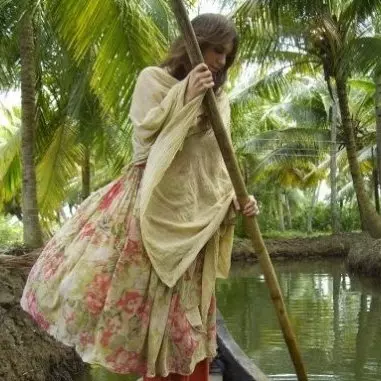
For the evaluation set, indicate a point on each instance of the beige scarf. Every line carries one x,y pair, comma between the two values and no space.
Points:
186,191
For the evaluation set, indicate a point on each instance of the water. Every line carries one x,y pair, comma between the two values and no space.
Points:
337,319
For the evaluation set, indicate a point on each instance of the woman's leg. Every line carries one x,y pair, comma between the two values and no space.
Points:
201,373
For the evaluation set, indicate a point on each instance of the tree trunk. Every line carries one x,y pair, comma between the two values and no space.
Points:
311,208
288,211
370,220
280,211
333,167
375,182
86,174
378,124
31,225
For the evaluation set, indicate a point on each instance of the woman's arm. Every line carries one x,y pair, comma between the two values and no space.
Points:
251,208
200,80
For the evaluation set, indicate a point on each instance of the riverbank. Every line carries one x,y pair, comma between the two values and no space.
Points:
326,246
365,258
26,352
362,253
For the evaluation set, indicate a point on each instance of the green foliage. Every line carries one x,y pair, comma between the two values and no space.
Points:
120,37
321,218
88,57
10,232
276,234
350,218
321,222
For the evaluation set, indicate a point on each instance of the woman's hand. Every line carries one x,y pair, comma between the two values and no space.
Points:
200,80
251,207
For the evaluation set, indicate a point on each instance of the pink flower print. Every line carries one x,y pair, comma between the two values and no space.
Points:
51,265
181,330
133,230
112,326
33,310
130,302
144,312
180,327
188,345
106,336
70,317
87,231
132,247
110,195
179,322
101,282
132,251
94,302
86,338
122,361
97,292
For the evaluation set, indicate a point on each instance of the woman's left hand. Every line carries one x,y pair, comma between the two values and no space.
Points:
251,208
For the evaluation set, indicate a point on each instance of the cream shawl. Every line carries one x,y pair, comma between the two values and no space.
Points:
186,191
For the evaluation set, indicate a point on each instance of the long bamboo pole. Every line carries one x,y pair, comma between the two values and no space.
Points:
241,192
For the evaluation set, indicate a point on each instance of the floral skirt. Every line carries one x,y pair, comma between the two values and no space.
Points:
201,373
93,287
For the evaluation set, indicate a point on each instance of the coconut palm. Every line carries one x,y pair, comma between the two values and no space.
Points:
281,135
67,135
336,36
32,230
121,37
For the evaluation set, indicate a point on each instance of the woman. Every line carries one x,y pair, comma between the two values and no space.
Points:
130,279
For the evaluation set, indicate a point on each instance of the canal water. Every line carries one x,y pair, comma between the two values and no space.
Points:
336,317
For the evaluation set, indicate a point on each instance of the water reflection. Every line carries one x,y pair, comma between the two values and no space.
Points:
337,319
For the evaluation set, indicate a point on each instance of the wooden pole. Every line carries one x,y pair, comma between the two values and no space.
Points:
241,192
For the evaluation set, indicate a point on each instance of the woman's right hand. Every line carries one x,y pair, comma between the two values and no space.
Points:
200,80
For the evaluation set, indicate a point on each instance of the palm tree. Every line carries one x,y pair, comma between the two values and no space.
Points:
333,169
81,107
121,37
281,135
378,119
333,35
32,230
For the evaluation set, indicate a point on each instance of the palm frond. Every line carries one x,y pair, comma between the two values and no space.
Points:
58,165
10,162
363,54
120,38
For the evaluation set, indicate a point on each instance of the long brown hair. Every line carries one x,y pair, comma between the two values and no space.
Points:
211,30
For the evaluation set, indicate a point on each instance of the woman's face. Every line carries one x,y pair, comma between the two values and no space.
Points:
215,56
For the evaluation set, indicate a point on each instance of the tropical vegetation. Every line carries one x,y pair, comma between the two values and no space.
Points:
303,93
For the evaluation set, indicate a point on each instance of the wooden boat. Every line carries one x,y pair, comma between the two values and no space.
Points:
232,364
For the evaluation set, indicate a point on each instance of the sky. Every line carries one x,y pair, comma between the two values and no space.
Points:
209,6
8,100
